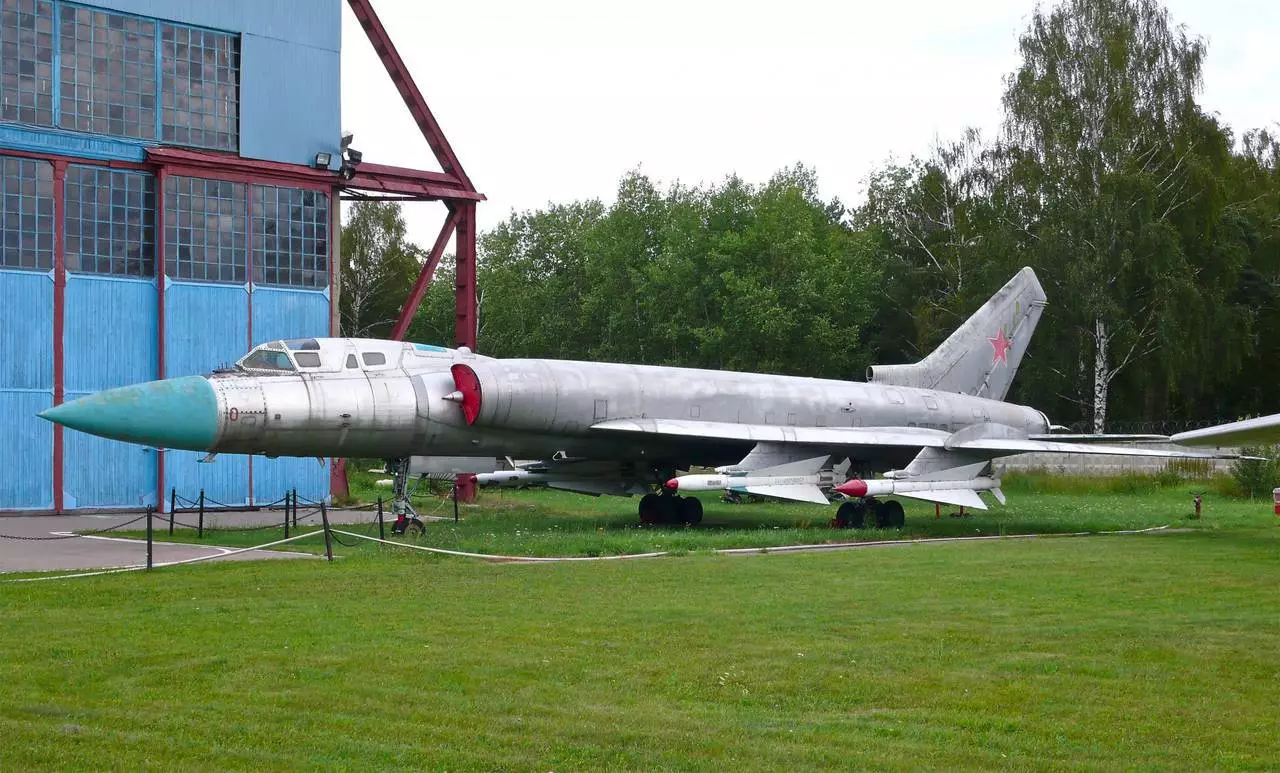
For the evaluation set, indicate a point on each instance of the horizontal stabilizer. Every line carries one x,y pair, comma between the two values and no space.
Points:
798,493
961,497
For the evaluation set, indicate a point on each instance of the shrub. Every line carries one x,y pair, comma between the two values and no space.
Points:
1256,477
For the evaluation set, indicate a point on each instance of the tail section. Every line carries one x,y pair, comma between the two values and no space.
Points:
982,356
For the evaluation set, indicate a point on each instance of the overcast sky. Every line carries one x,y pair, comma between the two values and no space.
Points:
553,100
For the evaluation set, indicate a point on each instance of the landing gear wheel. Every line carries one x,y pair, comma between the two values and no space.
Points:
650,509
414,529
889,515
850,515
669,509
691,510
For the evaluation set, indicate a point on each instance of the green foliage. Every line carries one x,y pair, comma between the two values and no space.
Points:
378,269
1256,477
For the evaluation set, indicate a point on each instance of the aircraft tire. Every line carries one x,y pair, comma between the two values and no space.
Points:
691,510
650,509
414,528
850,515
890,515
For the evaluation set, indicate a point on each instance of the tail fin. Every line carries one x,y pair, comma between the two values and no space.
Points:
982,356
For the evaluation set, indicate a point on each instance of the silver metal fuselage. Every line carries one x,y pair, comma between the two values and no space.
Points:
536,408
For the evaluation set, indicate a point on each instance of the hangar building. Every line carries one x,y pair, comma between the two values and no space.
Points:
163,209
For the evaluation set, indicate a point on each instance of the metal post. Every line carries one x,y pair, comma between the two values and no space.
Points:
295,508
382,533
455,501
286,515
149,512
173,505
200,523
328,540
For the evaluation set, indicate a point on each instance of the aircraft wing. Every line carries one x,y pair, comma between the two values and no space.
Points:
903,437
1264,430
982,441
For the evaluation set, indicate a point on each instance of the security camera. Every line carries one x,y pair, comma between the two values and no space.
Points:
347,136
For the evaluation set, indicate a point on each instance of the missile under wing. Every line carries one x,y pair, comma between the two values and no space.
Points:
626,425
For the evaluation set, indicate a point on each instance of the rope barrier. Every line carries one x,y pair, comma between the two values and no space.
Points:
55,537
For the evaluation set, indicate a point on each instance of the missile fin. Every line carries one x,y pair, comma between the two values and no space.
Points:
799,493
801,467
998,494
961,497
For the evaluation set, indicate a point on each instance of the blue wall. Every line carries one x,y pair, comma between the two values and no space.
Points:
289,314
26,388
205,326
109,340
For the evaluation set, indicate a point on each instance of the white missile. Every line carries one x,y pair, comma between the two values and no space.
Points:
802,481
956,492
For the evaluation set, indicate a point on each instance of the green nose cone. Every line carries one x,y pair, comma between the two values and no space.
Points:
174,413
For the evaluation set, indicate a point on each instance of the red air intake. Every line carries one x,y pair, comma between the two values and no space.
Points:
468,383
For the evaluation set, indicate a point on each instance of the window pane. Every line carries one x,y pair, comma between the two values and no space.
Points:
206,236
110,222
290,237
108,73
200,74
26,61
26,214
373,359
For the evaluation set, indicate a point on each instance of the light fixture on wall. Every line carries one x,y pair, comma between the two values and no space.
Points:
351,157
322,160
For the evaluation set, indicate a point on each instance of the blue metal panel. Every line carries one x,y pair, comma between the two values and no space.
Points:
63,143
109,341
280,314
315,23
26,388
26,451
26,331
206,326
289,100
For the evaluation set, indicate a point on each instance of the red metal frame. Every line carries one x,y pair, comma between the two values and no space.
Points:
59,318
462,206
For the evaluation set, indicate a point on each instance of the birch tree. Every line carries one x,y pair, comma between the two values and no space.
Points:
1097,121
378,268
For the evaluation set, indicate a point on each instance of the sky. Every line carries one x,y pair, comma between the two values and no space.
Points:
554,100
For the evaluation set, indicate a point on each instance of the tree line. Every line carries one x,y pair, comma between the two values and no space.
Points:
1154,228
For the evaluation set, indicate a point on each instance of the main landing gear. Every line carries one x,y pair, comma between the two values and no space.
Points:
407,522
667,508
869,512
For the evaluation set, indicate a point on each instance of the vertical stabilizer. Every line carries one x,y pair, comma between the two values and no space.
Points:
982,356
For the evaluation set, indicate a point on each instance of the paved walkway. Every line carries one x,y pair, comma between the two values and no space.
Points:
28,544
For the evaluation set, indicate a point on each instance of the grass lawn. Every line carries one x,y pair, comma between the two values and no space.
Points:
1154,652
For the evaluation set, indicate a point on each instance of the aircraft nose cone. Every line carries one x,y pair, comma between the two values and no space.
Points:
174,413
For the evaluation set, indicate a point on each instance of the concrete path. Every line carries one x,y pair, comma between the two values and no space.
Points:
41,543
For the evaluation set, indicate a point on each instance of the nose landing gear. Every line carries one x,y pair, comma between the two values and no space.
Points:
407,522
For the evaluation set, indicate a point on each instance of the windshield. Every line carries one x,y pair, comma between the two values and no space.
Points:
267,359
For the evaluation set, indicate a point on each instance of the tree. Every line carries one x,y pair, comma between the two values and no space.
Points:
378,268
1102,130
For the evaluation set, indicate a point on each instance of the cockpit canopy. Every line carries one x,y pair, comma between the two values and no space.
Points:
334,355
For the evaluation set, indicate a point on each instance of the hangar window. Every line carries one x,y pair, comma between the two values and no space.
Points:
26,214
200,70
107,82
290,237
373,359
307,359
110,222
26,61
206,230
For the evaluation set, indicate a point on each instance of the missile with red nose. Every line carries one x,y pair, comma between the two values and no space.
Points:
886,486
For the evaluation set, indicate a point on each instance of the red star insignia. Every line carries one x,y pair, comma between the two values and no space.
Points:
1001,345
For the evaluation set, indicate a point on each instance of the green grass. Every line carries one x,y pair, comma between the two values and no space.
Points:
1148,652
551,523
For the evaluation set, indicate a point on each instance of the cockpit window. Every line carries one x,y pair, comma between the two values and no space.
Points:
268,359
351,362
303,345
307,359
374,358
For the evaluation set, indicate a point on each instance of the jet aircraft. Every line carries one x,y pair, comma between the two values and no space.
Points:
933,427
